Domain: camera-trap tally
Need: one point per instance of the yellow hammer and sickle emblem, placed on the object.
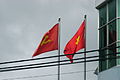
(45, 41)
(77, 40)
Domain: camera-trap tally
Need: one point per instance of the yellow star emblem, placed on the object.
(77, 40)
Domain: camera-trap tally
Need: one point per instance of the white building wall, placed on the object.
(110, 74)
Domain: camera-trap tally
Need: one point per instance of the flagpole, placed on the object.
(59, 50)
(85, 17)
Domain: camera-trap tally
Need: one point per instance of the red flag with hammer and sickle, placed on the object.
(76, 43)
(49, 41)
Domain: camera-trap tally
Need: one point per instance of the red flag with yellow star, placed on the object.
(76, 43)
(49, 41)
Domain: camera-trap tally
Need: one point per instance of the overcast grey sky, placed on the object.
(23, 24)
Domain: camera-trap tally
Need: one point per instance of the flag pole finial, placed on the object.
(85, 16)
(59, 19)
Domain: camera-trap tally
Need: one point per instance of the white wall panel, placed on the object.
(110, 74)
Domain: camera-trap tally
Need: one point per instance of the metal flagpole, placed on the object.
(59, 49)
(85, 51)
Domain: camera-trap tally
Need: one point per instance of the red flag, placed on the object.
(76, 43)
(49, 41)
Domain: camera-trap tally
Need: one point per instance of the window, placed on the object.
(103, 37)
(112, 33)
(107, 34)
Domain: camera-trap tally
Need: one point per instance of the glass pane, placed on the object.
(102, 61)
(112, 9)
(102, 38)
(112, 44)
(102, 15)
(102, 44)
(118, 60)
(112, 32)
(118, 8)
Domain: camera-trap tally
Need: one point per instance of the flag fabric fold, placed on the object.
(49, 41)
(76, 43)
